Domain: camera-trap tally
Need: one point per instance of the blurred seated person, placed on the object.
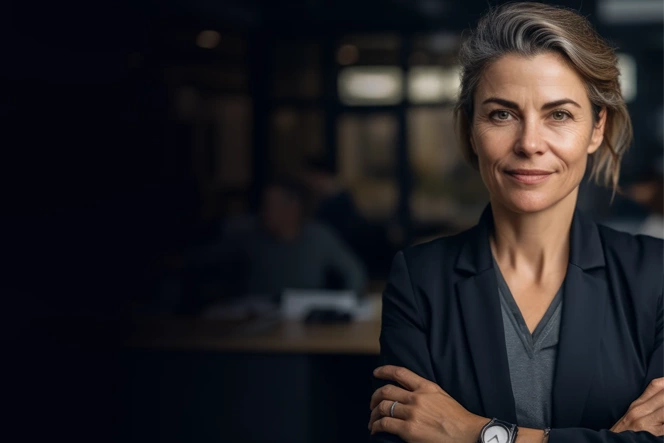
(284, 249)
(334, 205)
(649, 192)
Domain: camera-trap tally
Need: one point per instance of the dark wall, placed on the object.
(84, 198)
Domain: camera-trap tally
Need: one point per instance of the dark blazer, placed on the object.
(442, 319)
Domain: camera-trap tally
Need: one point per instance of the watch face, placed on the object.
(495, 434)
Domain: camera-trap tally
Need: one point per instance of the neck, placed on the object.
(533, 243)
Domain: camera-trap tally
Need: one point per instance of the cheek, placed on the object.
(489, 160)
(493, 144)
(571, 141)
(573, 154)
(579, 167)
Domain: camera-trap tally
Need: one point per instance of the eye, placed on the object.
(501, 115)
(560, 115)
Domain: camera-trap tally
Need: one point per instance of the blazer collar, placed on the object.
(475, 253)
(585, 244)
(581, 324)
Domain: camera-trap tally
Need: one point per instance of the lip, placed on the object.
(529, 176)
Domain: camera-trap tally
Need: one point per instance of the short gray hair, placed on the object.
(529, 29)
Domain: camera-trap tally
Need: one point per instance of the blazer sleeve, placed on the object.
(655, 370)
(403, 338)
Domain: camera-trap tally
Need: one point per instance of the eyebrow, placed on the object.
(549, 105)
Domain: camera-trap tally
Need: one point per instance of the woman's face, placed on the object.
(532, 131)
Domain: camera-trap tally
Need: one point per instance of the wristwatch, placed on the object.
(498, 431)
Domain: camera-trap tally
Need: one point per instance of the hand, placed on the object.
(646, 413)
(424, 412)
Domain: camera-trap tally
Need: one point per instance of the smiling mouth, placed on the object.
(529, 176)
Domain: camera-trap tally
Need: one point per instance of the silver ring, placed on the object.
(392, 409)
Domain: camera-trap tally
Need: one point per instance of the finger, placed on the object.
(389, 392)
(646, 407)
(653, 422)
(656, 386)
(642, 425)
(659, 431)
(385, 409)
(392, 426)
(375, 415)
(405, 377)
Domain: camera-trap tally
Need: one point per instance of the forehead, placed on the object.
(545, 77)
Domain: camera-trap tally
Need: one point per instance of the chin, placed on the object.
(528, 202)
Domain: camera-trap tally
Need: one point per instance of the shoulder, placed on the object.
(437, 254)
(637, 249)
(639, 257)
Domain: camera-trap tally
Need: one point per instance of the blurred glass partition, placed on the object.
(366, 161)
(381, 49)
(297, 70)
(233, 159)
(434, 49)
(296, 135)
(211, 111)
(446, 191)
(447, 194)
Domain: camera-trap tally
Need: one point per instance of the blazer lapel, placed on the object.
(582, 322)
(584, 297)
(483, 323)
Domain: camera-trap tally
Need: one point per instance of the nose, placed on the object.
(530, 141)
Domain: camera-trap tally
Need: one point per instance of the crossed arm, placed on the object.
(426, 413)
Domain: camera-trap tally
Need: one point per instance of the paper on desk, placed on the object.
(297, 303)
(367, 309)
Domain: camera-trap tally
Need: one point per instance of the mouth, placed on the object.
(529, 176)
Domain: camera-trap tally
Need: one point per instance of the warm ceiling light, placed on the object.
(208, 39)
(347, 54)
(431, 84)
(370, 85)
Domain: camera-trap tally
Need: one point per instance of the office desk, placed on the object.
(202, 380)
(260, 335)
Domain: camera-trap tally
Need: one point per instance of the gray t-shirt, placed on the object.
(532, 358)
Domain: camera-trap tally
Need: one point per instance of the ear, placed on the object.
(597, 136)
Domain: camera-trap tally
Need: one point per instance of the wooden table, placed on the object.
(261, 335)
(204, 379)
(288, 337)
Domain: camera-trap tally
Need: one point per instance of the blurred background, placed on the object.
(182, 178)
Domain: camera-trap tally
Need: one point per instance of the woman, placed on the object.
(536, 324)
